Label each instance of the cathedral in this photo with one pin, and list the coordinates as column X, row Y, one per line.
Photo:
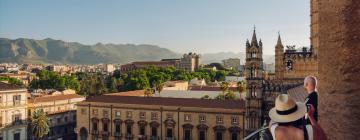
column 291, row 67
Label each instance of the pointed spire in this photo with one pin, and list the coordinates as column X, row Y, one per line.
column 254, row 40
column 279, row 40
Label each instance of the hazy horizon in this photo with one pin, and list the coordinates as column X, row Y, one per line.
column 181, row 26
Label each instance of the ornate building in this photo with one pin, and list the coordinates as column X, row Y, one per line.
column 110, row 117
column 291, row 67
column 13, row 112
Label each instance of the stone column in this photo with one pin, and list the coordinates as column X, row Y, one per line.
column 339, row 68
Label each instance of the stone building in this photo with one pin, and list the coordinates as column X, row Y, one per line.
column 190, row 62
column 61, row 112
column 232, row 63
column 13, row 112
column 155, row 118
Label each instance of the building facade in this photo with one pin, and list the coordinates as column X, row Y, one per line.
column 13, row 113
column 232, row 63
column 190, row 62
column 156, row 118
column 61, row 112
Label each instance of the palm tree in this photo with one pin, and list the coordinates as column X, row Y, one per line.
column 148, row 92
column 241, row 87
column 159, row 86
column 224, row 86
column 39, row 126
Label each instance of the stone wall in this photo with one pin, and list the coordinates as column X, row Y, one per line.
column 339, row 68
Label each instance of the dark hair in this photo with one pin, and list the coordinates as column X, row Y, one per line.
column 297, row 123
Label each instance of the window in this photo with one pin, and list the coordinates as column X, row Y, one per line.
column 169, row 133
column 83, row 111
column 153, row 116
column 58, row 120
column 202, row 118
column 153, row 131
column 289, row 65
column 16, row 136
column 219, row 119
column 105, row 113
column 74, row 118
column 105, row 127
column 219, row 135
column 142, row 115
column 142, row 130
column 128, row 114
column 187, row 134
column 128, row 129
column 66, row 119
column 95, row 112
column 202, row 135
column 95, row 127
column 117, row 128
column 187, row 117
column 234, row 120
column 117, row 114
column 17, row 118
column 234, row 136
column 0, row 99
column 16, row 99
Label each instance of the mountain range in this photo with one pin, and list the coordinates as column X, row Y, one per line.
column 51, row 51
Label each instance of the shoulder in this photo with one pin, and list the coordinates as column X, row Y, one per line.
column 286, row 132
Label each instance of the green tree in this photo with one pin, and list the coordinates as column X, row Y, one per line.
column 159, row 86
column 220, row 75
column 148, row 92
column 224, row 86
column 241, row 87
column 39, row 126
column 205, row 97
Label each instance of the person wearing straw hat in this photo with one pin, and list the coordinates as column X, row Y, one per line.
column 287, row 120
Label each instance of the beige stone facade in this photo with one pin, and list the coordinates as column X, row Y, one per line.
column 61, row 112
column 156, row 118
column 13, row 113
column 232, row 63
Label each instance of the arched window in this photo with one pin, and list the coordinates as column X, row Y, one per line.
column 83, row 134
column 289, row 65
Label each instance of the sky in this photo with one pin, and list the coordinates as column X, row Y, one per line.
column 202, row 26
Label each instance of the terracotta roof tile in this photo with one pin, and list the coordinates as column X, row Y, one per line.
column 56, row 97
column 162, row 101
column 5, row 86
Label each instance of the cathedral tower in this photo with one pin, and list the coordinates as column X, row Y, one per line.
column 254, row 80
column 279, row 59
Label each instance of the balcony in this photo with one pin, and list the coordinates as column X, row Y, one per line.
column 117, row 134
column 142, row 137
column 105, row 133
column 95, row 132
column 154, row 138
column 129, row 136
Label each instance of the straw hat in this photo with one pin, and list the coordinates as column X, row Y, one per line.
column 286, row 110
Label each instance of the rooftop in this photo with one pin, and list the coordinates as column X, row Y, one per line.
column 161, row 101
column 6, row 86
column 55, row 98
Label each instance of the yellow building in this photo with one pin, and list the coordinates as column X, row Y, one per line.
column 13, row 112
column 61, row 112
column 154, row 118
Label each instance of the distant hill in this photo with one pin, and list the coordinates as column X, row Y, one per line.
column 48, row 50
column 218, row 57
column 57, row 51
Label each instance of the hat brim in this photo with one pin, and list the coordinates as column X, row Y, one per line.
column 299, row 113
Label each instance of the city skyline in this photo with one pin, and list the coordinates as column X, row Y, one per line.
column 181, row 26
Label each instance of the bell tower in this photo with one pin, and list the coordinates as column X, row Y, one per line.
column 254, row 80
column 279, row 59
